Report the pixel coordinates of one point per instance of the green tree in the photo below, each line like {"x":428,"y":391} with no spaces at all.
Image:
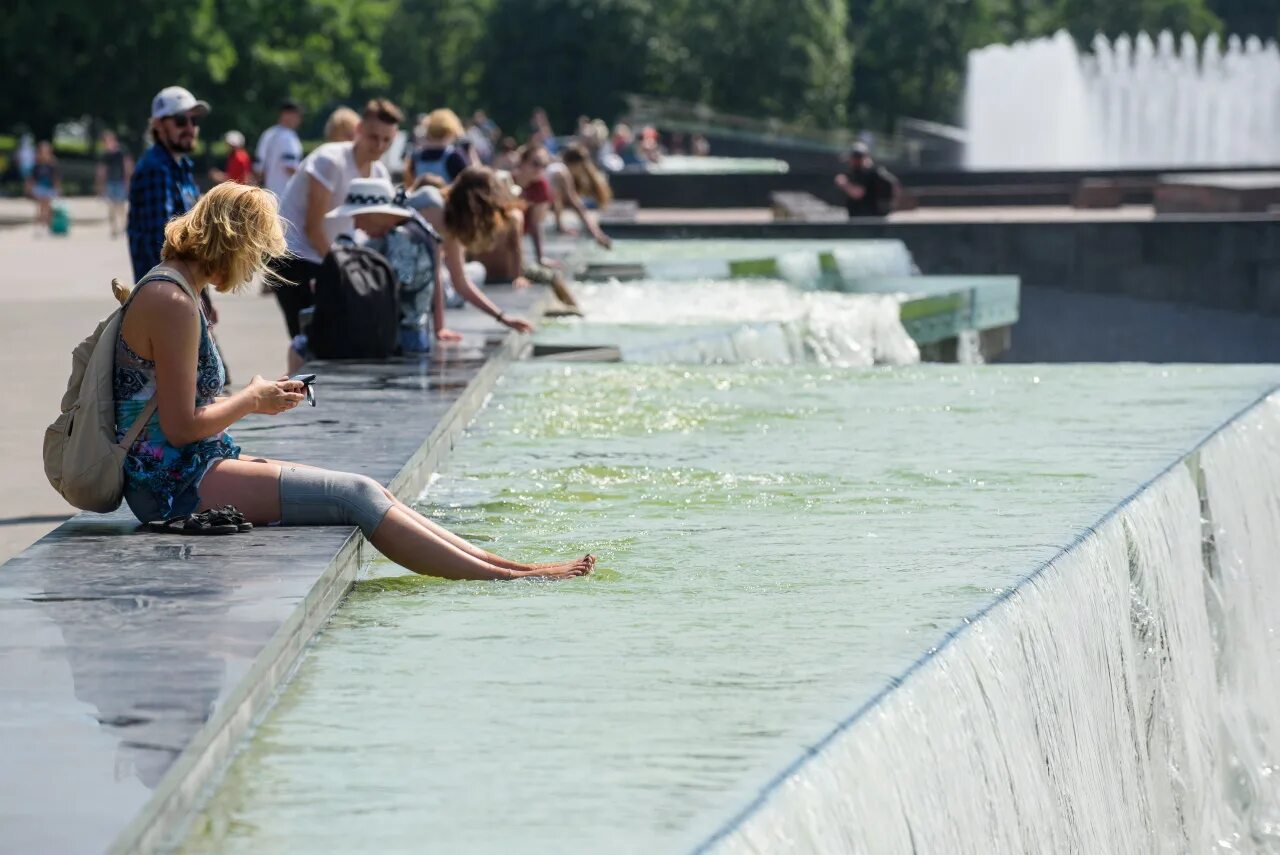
{"x":318,"y":52}
{"x":1259,"y":18}
{"x":431,"y":52}
{"x":910,"y":57}
{"x":790,"y":61}
{"x":568,"y":56}
{"x":1086,"y":18}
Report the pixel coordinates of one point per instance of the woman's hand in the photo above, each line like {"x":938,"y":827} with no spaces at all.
{"x":273,"y":397}
{"x":604,"y":240}
{"x":518,"y":324}
{"x":448,"y":335}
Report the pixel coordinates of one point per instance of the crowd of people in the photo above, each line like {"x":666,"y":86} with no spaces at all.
{"x":456,"y":216}
{"x":468,"y":208}
{"x":283,"y":217}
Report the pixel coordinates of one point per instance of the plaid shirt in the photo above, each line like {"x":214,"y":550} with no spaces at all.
{"x":161,"y":189}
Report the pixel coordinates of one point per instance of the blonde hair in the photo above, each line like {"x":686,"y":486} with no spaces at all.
{"x":341,"y":125}
{"x":443,"y":123}
{"x":232,"y":233}
{"x":587,"y":180}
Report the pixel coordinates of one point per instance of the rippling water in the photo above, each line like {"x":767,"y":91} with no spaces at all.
{"x":774,"y":544}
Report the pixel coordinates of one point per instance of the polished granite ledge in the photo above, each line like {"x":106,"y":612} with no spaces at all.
{"x":131,"y":663}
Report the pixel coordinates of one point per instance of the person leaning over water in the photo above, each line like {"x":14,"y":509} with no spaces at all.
{"x":185,"y":461}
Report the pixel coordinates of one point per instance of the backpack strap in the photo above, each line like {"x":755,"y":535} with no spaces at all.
{"x":167,"y":274}
{"x":138,"y":424}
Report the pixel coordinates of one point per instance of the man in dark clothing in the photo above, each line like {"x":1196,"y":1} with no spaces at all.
{"x":869,"y":188}
{"x":164,"y":183}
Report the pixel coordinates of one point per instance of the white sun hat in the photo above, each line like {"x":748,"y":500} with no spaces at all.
{"x":369,"y":196}
{"x":235,"y":139}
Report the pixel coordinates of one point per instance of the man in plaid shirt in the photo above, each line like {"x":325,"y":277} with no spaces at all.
{"x":164,"y":182}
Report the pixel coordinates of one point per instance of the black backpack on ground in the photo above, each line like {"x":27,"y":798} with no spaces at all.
{"x":357,"y":307}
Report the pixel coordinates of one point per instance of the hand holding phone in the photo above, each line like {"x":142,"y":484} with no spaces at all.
{"x":306,"y":380}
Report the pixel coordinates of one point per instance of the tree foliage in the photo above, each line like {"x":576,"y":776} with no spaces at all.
{"x":820,"y":62}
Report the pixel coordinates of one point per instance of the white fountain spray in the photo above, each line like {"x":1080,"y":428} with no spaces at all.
{"x":1040,"y":104}
{"x":1123,"y":698}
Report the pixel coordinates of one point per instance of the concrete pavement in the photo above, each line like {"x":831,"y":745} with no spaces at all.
{"x":52,"y":293}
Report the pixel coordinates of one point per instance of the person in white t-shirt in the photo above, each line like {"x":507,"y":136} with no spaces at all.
{"x":279,"y":150}
{"x":318,"y":186}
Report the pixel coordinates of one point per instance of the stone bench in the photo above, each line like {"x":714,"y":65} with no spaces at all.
{"x":620,"y":211}
{"x":804,"y":207}
{"x":131,"y":664}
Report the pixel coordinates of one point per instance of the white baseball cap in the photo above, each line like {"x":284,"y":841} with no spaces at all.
{"x":173,"y":100}
{"x":235,"y":139}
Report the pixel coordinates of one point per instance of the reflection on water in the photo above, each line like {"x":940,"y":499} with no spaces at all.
{"x":774,"y":544}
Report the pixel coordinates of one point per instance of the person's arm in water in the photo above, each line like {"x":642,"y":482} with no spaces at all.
{"x":169,"y":321}
{"x":565,"y":190}
{"x":437,"y":301}
{"x":455,"y":260}
{"x":317,"y":207}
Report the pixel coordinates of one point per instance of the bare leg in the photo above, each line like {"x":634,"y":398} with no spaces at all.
{"x":435,"y":529}
{"x":253,"y":486}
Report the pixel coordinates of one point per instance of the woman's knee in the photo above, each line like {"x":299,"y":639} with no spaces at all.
{"x":323,"y":497}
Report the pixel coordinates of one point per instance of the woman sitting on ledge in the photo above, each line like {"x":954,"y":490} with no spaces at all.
{"x":184,"y":461}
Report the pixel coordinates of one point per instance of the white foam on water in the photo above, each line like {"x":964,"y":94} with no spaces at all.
{"x":1124,"y":698}
{"x":769,"y":322}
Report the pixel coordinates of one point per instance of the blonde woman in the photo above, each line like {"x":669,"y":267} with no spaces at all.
{"x":184,"y":461}
{"x":341,"y":125}
{"x":574,"y":178}
{"x":442,"y":151}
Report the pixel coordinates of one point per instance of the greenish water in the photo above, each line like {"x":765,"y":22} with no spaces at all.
{"x":775,"y":543}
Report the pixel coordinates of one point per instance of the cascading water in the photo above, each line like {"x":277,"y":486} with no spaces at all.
{"x":743,"y":321}
{"x":1130,"y":102}
{"x":1123,"y":698}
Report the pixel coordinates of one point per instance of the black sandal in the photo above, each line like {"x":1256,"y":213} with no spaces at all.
{"x":229,"y":515}
{"x":194,"y":524}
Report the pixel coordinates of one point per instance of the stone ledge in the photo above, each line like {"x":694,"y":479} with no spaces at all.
{"x":132,"y":664}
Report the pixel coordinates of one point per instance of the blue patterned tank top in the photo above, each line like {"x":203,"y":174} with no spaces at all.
{"x":153,"y":465}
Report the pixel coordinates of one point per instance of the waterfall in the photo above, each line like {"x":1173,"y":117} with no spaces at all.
{"x":1131,"y":102}
{"x":1125,"y":697}
{"x":751,"y":321}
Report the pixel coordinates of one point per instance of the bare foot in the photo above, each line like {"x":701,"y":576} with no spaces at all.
{"x":581,"y":567}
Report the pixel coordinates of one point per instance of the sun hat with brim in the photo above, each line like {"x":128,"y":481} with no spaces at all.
{"x":369,"y":196}
{"x":173,"y":100}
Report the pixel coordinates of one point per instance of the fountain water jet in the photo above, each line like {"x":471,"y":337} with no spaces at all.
{"x":1129,"y":103}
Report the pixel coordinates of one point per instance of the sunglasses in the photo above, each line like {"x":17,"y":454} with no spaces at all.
{"x":182,"y":120}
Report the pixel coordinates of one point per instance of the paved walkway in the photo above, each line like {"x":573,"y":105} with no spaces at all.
{"x":52,"y":293}
{"x":84,"y":210}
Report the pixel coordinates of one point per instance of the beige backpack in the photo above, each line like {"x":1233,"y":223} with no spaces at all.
{"x":82,"y":459}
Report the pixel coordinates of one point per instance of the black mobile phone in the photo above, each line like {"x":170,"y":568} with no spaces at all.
{"x":307,"y":380}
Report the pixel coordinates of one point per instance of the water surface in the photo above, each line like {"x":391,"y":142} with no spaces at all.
{"x":775,"y":543}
